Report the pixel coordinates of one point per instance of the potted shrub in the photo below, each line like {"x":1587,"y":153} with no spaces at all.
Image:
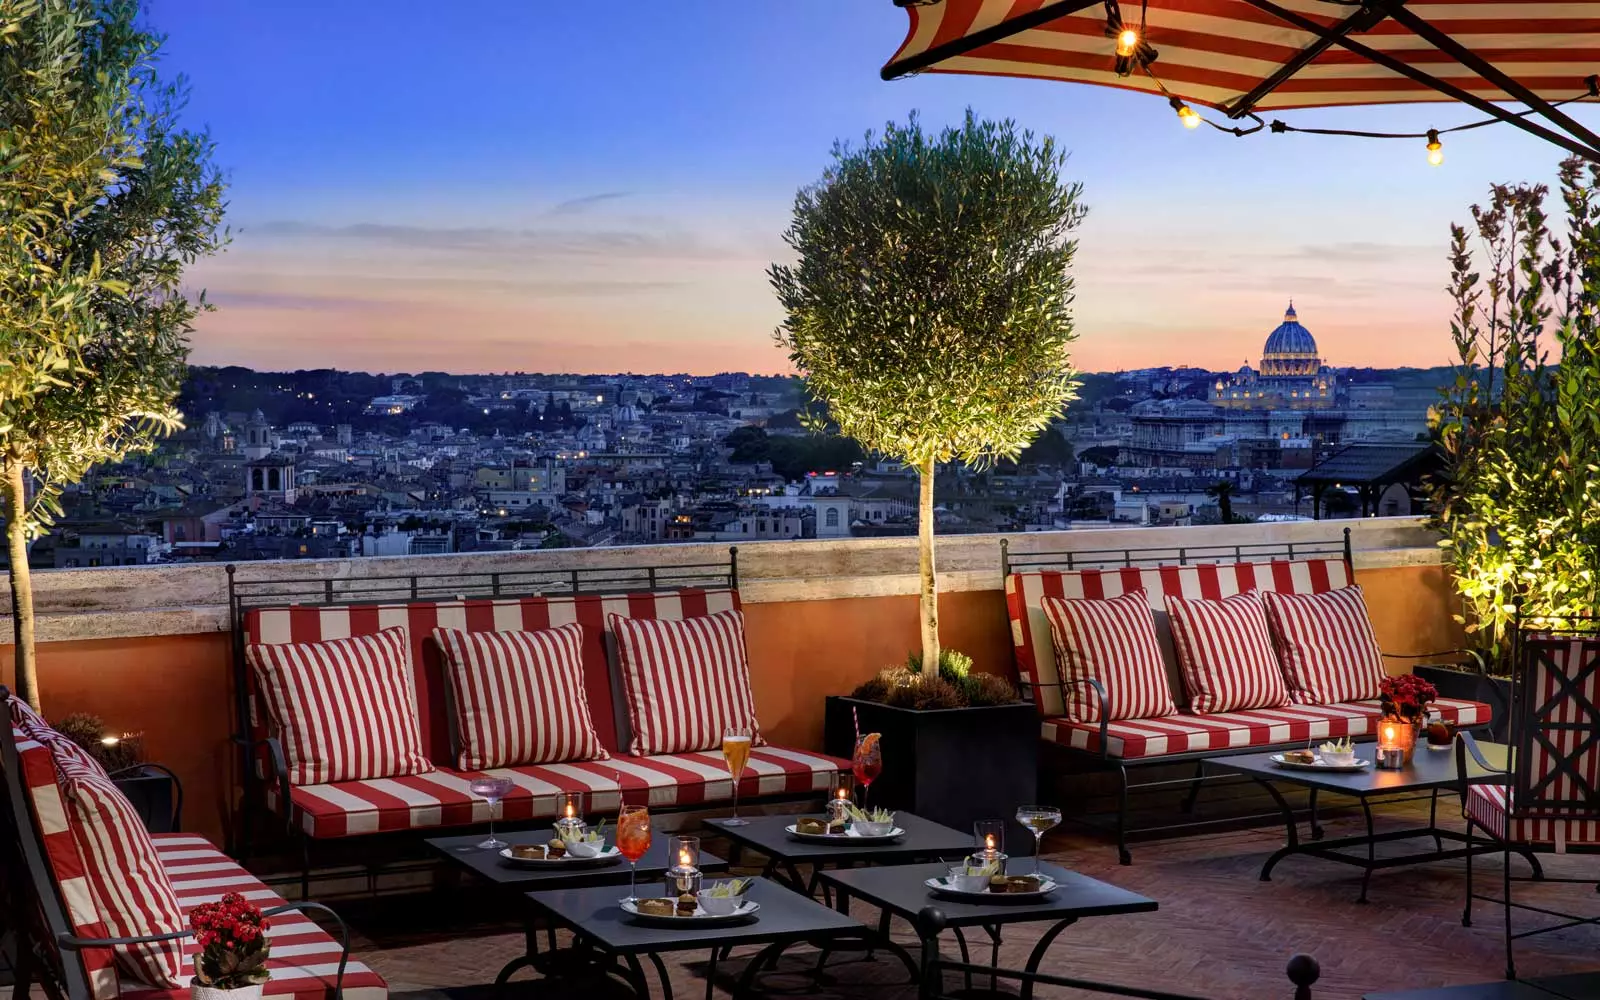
{"x":151,"y":788}
{"x":232,"y":962}
{"x":929,"y":310}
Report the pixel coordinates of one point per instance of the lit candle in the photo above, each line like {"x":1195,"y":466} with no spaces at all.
{"x":683,"y":859}
{"x":1389,"y":735}
{"x":109,"y":741}
{"x":569,"y":810}
{"x":988,"y":842}
{"x":843,"y":793}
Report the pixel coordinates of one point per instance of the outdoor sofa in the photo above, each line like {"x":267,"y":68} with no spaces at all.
{"x":1272,"y":650}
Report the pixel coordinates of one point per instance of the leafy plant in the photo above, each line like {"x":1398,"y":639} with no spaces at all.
{"x":902,"y":687}
{"x":90,"y":733}
{"x":1518,"y":498}
{"x":104,"y":201}
{"x":929,"y":307}
{"x":232,"y":935}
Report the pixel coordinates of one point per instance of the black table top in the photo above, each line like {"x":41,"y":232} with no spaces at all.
{"x":1427,"y":769}
{"x":924,"y":839}
{"x":490,"y":865}
{"x":1582,"y":986}
{"x":900,"y":890}
{"x":785,"y":914}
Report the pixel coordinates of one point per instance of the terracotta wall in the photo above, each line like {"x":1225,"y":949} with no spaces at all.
{"x":176,"y":690}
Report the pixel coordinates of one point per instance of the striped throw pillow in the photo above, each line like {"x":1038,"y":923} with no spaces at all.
{"x":130,"y":888}
{"x":32,"y":724}
{"x":1326,"y":646}
{"x":1113,"y":641}
{"x":687,"y":681}
{"x":1226,"y":654}
{"x":519,"y":697}
{"x":343,"y":708}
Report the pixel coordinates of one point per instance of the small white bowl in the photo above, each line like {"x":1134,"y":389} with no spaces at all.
{"x":1337,"y":759}
{"x":962,"y":882}
{"x":864,"y":829}
{"x":586,"y":848}
{"x":720,"y":906}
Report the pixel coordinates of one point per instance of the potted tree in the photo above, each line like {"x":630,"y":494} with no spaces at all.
{"x":1517,"y":499}
{"x":929,"y":309}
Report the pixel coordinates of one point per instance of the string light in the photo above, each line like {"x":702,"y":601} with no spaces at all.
{"x":1127,"y":42}
{"x":1435,"y":148}
{"x":1186,"y":114}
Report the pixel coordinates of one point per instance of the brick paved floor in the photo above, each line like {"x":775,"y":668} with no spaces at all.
{"x":1220,"y":932}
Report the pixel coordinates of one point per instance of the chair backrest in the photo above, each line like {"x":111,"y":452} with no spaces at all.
{"x":1030,"y":631}
{"x":313,"y":623}
{"x":50,"y":867}
{"x":1555,"y":724}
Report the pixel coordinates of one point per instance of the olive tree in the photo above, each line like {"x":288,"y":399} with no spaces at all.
{"x":104,"y":200}
{"x":929,"y":305}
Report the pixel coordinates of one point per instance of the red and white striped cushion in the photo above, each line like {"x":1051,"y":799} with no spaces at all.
{"x":1113,"y":641}
{"x":1491,"y":806}
{"x":687,"y":681}
{"x":519,"y":697}
{"x":29,"y":722}
{"x":1225,"y":652}
{"x":1326,"y":645}
{"x":130,"y":889}
{"x":343,"y":708}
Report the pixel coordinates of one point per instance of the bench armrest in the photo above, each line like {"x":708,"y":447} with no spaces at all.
{"x":280,"y":767}
{"x":1464,"y":657}
{"x":1100,"y":696}
{"x":177,"y":787}
{"x":1467,"y":744}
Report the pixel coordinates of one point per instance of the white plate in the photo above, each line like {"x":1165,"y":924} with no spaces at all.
{"x":849,"y":837}
{"x":609,"y":856}
{"x":938,"y":885}
{"x":1359,"y":765}
{"x":746,"y":911}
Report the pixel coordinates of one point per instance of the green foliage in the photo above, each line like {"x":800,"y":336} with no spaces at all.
{"x":930,"y":304}
{"x":1101,"y":454}
{"x":954,"y":665}
{"x":792,"y":456}
{"x":955,"y":686}
{"x":89,"y":732}
{"x":1519,"y":496}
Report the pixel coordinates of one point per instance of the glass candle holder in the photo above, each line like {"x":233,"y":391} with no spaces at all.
{"x":989,"y":839}
{"x":841,"y":785}
{"x":684,"y":876}
{"x":569,"y":822}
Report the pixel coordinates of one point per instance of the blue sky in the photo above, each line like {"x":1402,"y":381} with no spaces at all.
{"x":508,"y":184}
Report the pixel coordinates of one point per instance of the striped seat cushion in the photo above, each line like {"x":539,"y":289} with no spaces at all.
{"x":519,"y":697}
{"x":1225,"y":652}
{"x":1490,"y":806}
{"x":442,"y":799}
{"x":25,"y":720}
{"x":1030,"y":632}
{"x":304,"y":959}
{"x":342,"y":708}
{"x":686,"y":681}
{"x":1114,"y":642}
{"x":1188,"y":733}
{"x":1326,"y":645}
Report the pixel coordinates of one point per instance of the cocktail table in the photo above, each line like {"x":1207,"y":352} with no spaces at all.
{"x":487,"y":864}
{"x":785,"y":919}
{"x":901,"y":891}
{"x":924,"y":840}
{"x":1428,"y":771}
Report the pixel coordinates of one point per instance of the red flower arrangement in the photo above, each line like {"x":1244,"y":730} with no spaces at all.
{"x":232,"y":935}
{"x":1407,"y":698}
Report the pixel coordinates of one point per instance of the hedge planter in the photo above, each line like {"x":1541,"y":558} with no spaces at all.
{"x":152,"y":793}
{"x":950,"y":765}
{"x":1469,"y":684}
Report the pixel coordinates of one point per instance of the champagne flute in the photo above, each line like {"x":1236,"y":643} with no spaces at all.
{"x":633,"y":841}
{"x":1038,"y":819}
{"x":736,"y":754}
{"x":491,"y":790}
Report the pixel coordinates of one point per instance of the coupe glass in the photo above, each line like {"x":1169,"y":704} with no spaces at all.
{"x":1038,"y":819}
{"x":736,"y":753}
{"x":633,"y":841}
{"x":867,"y":762}
{"x":492,"y":790}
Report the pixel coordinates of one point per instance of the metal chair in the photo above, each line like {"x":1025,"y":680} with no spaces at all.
{"x":1547,"y":798}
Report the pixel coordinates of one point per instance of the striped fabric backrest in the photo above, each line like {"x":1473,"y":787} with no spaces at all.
{"x":1556,"y":727}
{"x":312,"y":623}
{"x":1030,"y":632}
{"x":36,"y":771}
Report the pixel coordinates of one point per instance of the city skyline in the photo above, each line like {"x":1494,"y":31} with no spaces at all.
{"x":545,"y":191}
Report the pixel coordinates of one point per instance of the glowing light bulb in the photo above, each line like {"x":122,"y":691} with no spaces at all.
{"x":1435,"y":148}
{"x":1127,"y":42}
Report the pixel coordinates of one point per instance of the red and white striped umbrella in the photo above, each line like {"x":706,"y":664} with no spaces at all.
{"x":1244,"y":56}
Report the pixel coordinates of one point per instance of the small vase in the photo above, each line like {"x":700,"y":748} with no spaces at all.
{"x":199,"y":992}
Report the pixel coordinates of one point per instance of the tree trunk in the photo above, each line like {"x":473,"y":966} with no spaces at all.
{"x":1225,"y":506}
{"x":14,"y":488}
{"x":929,"y":606}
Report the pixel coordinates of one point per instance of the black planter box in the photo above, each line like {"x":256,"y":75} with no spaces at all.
{"x":150,"y":792}
{"x":1473,"y":686}
{"x":950,"y":765}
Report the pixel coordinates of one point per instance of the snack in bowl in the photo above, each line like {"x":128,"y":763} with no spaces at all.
{"x":877,"y":823}
{"x":965,"y":878}
{"x":590,"y":844}
{"x":723,"y":899}
{"x":1300,"y":756}
{"x":806,"y":824}
{"x":1339,"y":753}
{"x":656,"y":907}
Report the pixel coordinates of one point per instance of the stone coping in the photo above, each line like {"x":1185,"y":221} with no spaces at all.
{"x":134,"y":601}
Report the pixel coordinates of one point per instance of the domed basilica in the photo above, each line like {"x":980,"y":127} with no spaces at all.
{"x":1291,"y":376}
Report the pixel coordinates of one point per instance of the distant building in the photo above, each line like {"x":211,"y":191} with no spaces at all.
{"x":1291,"y":377}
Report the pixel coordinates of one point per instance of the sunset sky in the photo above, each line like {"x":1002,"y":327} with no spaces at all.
{"x":515,"y":185}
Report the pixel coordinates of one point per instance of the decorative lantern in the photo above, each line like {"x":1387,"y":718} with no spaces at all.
{"x":569,"y":823}
{"x":684,"y":875}
{"x":990,"y":842}
{"x":840,"y":786}
{"x":1396,"y":741}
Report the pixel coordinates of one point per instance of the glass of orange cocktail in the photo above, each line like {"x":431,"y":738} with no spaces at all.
{"x":736,"y":742}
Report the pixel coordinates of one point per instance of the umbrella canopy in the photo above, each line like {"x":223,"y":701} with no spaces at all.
{"x":1244,"y":56}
